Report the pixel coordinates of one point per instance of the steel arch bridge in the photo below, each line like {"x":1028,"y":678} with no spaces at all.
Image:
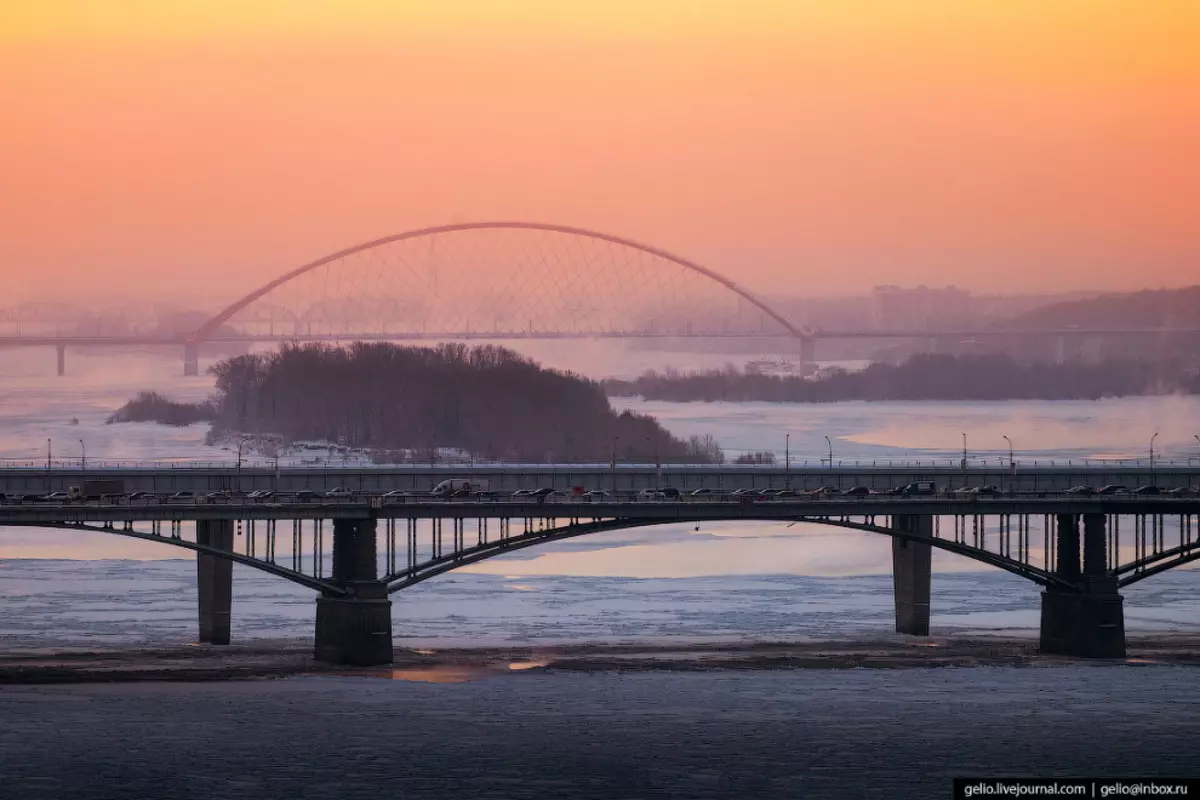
{"x":502,"y":279}
{"x":419,"y":552}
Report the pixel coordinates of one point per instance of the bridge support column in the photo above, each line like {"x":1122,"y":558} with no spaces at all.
{"x":355,"y":629}
{"x":214,"y":580}
{"x":191,"y":360}
{"x":808,"y":355}
{"x":911,"y":567}
{"x":1089,"y":620}
{"x":62,"y":359}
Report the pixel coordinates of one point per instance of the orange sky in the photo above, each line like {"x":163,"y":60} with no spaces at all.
{"x":800,"y":146}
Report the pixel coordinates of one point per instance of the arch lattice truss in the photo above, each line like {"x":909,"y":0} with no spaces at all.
{"x":492,"y":279}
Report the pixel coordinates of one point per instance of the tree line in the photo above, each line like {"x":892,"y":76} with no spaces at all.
{"x":488,"y":400}
{"x":924,"y":377}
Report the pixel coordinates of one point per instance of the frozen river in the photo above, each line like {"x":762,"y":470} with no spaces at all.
{"x":756,"y":581}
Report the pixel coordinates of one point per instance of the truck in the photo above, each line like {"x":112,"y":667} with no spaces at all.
{"x":97,"y":490}
{"x":452,"y":485}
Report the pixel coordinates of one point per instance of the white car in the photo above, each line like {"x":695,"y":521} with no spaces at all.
{"x":340,"y":491}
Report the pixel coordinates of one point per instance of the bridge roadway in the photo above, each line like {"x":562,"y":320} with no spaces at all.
{"x":685,"y":508}
{"x":879,"y":476}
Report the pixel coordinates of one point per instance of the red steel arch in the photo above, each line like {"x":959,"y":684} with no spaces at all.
{"x":210,"y":327}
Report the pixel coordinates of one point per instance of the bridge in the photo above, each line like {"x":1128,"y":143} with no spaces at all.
{"x":356,"y":551}
{"x":474,"y":281}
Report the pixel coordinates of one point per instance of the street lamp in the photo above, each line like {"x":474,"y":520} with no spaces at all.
{"x":1152,"y":438}
{"x":1012,"y":465}
{"x":964,"y":458}
{"x":47,"y":455}
{"x":830,"y":451}
{"x":83,"y":457}
{"x":787,"y":460}
{"x":238,"y":482}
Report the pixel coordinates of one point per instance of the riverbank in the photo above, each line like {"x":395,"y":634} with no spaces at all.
{"x":280,"y":659}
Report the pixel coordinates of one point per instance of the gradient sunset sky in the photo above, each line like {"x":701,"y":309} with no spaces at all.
{"x":801,"y":147}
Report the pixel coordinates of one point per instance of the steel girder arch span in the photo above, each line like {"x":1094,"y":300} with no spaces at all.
{"x":1160,"y":562}
{"x":481,"y":552}
{"x":308,"y":581}
{"x":211,"y":326}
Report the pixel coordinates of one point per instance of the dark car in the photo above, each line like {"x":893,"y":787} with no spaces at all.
{"x":1112,"y":488}
{"x":917,"y":487}
{"x":184,"y":495}
{"x":305,"y":495}
{"x":987,"y":491}
{"x":1081,"y":490}
{"x":1179,"y":491}
{"x":1146,"y":490}
{"x":671,"y":492}
{"x":857,"y":491}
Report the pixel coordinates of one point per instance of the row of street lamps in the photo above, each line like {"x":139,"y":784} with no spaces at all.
{"x":787,"y":452}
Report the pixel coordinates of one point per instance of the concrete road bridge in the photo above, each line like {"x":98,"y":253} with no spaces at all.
{"x":17,"y":477}
{"x":355,"y":552}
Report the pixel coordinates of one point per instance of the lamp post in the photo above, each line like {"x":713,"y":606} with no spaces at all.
{"x":47,"y":466}
{"x":1012,"y":465}
{"x":787,"y":461}
{"x":830,"y":451}
{"x":238,"y":480}
{"x":964,"y":458}
{"x":614,"y":463}
{"x":82,"y":457}
{"x":1152,"y":438}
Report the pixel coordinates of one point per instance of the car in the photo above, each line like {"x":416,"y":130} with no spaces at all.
{"x":702,"y":492}
{"x":1147,"y":490}
{"x":671,"y":492}
{"x":1081,"y":490}
{"x":822,"y":491}
{"x":1179,"y":491}
{"x":304,"y":495}
{"x":916,"y":487}
{"x":56,"y":497}
{"x":220,"y":494}
{"x":484,"y":495}
{"x":987,"y":491}
{"x":523,"y":492}
{"x":747,"y":493}
{"x":651,"y":494}
{"x":597,"y":494}
{"x":1113,"y":488}
{"x":857,"y":491}
{"x":545,"y":491}
{"x":184,"y":495}
{"x":771,"y":492}
{"x":339,"y":491}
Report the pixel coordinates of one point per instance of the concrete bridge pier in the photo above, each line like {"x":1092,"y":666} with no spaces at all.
{"x":911,"y":567}
{"x":356,"y":628}
{"x":214,"y":580}
{"x":191,"y":360}
{"x":1087,"y":621}
{"x":62,"y":359}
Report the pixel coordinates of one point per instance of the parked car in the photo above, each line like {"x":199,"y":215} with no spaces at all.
{"x":857,"y":491}
{"x":56,"y":497}
{"x":523,"y":492}
{"x":1113,"y":488}
{"x":183,"y":495}
{"x":1081,"y":490}
{"x":1147,"y":490}
{"x":339,"y":491}
{"x":988,"y":491}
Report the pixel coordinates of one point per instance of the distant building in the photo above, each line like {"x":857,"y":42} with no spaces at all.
{"x":922,"y":308}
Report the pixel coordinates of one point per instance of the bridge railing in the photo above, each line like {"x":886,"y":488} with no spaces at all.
{"x":442,"y":463}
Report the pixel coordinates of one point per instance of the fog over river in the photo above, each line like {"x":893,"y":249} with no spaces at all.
{"x":735,"y":581}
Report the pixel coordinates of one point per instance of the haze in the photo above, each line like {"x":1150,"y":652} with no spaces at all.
{"x":151,"y":149}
